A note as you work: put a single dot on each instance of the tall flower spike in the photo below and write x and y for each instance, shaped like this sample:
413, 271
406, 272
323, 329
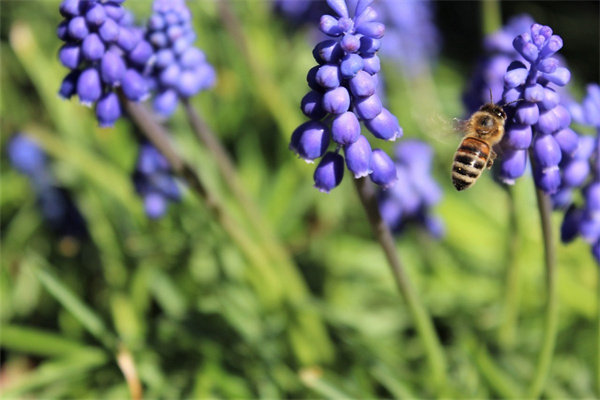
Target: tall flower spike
538, 122
343, 94
490, 69
409, 27
101, 48
179, 70
154, 181
411, 202
584, 221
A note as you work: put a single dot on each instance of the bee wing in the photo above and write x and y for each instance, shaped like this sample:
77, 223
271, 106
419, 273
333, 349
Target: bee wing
446, 130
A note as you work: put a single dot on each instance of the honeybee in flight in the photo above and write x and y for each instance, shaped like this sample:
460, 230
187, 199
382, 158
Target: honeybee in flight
483, 130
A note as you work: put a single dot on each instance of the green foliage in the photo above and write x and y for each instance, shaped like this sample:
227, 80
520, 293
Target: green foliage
202, 314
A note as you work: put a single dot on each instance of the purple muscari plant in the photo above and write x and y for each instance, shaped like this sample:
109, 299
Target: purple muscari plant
154, 181
55, 203
585, 221
412, 201
538, 123
179, 70
490, 70
300, 11
412, 39
343, 94
103, 50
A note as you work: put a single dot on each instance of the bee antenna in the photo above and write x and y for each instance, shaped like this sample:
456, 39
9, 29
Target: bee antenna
511, 102
491, 97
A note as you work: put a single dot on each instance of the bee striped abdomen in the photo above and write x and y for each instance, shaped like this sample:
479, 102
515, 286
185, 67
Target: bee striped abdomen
470, 159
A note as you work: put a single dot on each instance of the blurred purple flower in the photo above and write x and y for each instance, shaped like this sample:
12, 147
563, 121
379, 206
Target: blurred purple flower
412, 39
178, 69
411, 200
154, 181
55, 203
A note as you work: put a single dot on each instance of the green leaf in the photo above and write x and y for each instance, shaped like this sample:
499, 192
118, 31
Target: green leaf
38, 342
84, 314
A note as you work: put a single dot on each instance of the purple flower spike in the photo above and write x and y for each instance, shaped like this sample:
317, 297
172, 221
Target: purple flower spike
343, 93
134, 85
384, 170
154, 181
411, 199
329, 173
539, 116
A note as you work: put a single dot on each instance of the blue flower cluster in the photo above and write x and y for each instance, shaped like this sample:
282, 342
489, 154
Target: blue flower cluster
585, 221
539, 122
343, 93
55, 203
180, 69
103, 50
490, 69
411, 202
154, 181
412, 39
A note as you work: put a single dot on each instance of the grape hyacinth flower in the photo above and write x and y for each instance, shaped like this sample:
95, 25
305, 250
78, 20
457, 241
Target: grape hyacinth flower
490, 69
154, 181
179, 70
343, 94
539, 122
585, 221
58, 209
411, 202
103, 50
412, 39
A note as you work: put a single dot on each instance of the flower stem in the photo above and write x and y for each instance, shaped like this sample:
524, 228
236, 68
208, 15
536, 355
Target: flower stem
424, 325
598, 335
512, 296
551, 318
158, 136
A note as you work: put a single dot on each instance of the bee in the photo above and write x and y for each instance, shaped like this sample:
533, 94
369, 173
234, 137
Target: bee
483, 130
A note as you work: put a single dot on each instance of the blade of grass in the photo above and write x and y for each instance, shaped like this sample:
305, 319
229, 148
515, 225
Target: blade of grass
84, 314
63, 370
38, 342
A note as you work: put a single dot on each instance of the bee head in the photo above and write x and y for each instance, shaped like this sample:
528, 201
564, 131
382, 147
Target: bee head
494, 109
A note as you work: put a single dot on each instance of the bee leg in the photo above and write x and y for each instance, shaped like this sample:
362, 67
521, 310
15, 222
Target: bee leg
490, 161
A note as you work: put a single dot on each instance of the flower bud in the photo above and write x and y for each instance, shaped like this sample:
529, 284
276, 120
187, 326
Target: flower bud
329, 172
108, 109
368, 107
358, 157
384, 126
345, 128
384, 170
336, 101
89, 87
310, 140
363, 84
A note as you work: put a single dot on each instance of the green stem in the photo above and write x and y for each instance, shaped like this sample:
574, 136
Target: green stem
491, 16
159, 137
551, 318
512, 295
433, 348
598, 335
296, 289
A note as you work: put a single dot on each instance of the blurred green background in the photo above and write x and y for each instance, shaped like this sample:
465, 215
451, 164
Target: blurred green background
201, 316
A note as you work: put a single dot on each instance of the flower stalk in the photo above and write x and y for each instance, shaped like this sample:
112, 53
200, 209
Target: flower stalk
422, 320
551, 316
